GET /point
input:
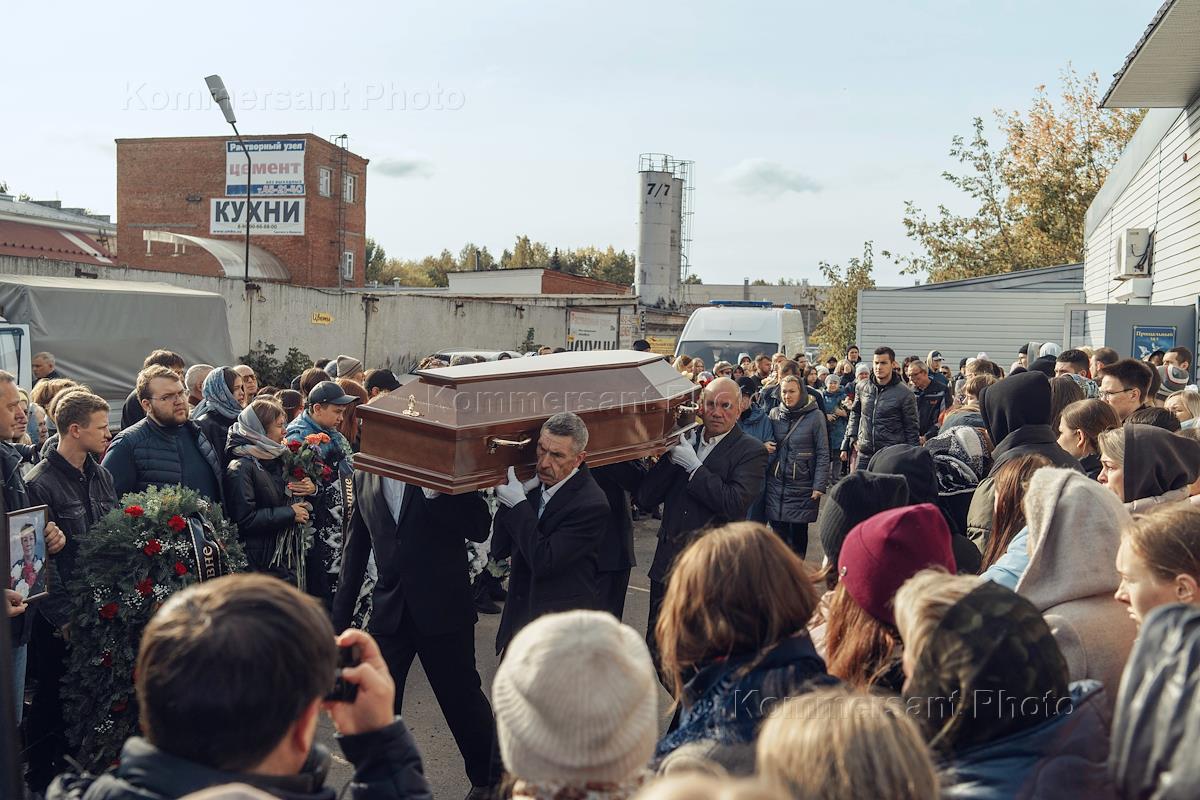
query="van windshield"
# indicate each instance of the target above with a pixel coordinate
(712, 352)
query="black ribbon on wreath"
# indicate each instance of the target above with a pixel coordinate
(210, 558)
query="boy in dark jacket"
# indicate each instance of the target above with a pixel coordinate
(231, 676)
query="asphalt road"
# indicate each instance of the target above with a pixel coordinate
(443, 764)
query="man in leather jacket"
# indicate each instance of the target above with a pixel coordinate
(884, 412)
(232, 674)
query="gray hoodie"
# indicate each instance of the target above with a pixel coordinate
(1075, 529)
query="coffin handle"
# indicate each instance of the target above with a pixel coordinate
(494, 443)
(686, 408)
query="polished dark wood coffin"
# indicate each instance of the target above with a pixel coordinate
(457, 429)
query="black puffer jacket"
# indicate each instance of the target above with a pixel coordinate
(148, 455)
(882, 416)
(216, 430)
(387, 767)
(77, 500)
(800, 464)
(256, 501)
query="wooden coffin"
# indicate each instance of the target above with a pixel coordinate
(457, 429)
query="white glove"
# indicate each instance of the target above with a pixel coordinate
(512, 492)
(431, 493)
(685, 456)
(532, 483)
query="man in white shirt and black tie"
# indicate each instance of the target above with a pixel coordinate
(711, 480)
(552, 526)
(422, 606)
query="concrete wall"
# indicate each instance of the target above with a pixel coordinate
(402, 328)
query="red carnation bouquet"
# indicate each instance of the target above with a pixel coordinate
(303, 460)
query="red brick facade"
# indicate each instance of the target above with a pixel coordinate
(167, 185)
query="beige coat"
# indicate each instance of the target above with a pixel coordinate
(1075, 529)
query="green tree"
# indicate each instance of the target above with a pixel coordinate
(471, 258)
(376, 259)
(839, 325)
(1031, 196)
(692, 279)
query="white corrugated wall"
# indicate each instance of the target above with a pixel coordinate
(960, 324)
(1164, 196)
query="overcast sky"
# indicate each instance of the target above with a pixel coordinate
(810, 123)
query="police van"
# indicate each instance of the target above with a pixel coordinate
(726, 330)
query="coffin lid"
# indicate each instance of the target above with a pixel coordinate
(533, 387)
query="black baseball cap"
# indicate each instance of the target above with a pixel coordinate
(382, 379)
(641, 345)
(936, 354)
(329, 392)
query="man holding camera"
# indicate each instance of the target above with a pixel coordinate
(231, 676)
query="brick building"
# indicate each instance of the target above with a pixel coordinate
(181, 201)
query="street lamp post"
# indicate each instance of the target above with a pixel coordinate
(220, 95)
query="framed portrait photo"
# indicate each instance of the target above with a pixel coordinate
(27, 551)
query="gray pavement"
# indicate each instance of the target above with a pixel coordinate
(443, 764)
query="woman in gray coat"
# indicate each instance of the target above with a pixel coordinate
(798, 472)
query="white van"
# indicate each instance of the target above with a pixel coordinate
(725, 330)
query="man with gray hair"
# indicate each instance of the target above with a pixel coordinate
(43, 368)
(193, 381)
(552, 526)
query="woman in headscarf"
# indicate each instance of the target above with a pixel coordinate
(989, 686)
(223, 397)
(1146, 466)
(256, 491)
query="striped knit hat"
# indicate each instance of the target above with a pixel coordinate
(576, 700)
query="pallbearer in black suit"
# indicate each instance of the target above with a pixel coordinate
(711, 480)
(422, 604)
(618, 482)
(552, 526)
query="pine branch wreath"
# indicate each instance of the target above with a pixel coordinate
(132, 560)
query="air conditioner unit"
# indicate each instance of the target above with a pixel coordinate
(1133, 254)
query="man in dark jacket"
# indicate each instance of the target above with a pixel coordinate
(132, 412)
(553, 533)
(422, 605)
(16, 497)
(932, 396)
(78, 492)
(615, 559)
(207, 720)
(166, 447)
(711, 480)
(1016, 411)
(884, 412)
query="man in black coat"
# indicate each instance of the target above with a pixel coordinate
(78, 492)
(711, 481)
(884, 412)
(932, 397)
(616, 557)
(552, 526)
(422, 605)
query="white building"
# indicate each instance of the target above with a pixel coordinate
(1142, 252)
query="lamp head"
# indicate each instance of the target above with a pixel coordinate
(219, 94)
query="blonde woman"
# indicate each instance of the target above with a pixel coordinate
(1159, 560)
(834, 744)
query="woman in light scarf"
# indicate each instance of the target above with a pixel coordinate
(259, 498)
(223, 397)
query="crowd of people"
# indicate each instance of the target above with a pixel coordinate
(1002, 583)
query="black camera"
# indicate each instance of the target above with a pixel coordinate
(344, 691)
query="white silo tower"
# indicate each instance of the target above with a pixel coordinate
(664, 213)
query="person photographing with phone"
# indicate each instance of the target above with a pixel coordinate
(232, 675)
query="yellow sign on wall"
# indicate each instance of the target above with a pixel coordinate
(321, 318)
(663, 345)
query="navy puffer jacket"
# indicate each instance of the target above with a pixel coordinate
(800, 464)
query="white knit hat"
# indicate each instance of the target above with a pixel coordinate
(576, 700)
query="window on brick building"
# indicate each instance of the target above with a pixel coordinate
(349, 185)
(348, 266)
(326, 181)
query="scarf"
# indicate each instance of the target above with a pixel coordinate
(217, 397)
(257, 444)
(961, 457)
